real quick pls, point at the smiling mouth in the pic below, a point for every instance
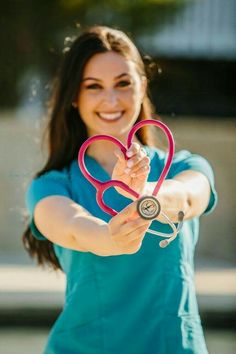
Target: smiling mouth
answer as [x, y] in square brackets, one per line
[110, 117]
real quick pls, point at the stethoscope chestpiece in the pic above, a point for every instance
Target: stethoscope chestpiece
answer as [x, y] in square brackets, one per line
[148, 207]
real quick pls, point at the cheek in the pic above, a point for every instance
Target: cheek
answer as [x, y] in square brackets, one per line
[133, 98]
[86, 102]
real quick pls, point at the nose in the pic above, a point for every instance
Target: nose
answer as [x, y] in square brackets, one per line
[111, 97]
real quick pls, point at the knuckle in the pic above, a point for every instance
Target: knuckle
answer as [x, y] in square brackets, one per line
[146, 159]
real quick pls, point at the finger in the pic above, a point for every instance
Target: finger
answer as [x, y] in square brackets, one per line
[145, 161]
[133, 247]
[144, 170]
[137, 236]
[130, 228]
[133, 161]
[133, 149]
[128, 213]
[132, 238]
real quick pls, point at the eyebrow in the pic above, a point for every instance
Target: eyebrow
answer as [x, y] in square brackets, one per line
[117, 77]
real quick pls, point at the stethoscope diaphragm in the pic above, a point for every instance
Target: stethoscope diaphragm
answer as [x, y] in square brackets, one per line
[148, 207]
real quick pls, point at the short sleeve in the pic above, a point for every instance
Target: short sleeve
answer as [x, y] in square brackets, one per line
[51, 183]
[184, 160]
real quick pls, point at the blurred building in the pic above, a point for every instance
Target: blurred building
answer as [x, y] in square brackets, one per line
[196, 53]
[203, 29]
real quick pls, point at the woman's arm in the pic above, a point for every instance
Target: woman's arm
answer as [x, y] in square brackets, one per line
[69, 225]
[188, 191]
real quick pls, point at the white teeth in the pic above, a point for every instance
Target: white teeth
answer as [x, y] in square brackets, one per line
[110, 116]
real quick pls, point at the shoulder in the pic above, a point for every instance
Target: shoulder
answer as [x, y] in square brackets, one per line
[50, 179]
[182, 160]
[157, 153]
[50, 183]
[53, 182]
[185, 160]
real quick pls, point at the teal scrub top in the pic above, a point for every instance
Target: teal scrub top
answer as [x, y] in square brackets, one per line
[143, 303]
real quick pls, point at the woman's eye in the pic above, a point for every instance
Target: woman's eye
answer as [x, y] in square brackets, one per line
[93, 86]
[124, 83]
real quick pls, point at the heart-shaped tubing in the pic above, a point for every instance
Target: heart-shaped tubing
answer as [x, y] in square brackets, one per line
[103, 186]
[99, 185]
[171, 146]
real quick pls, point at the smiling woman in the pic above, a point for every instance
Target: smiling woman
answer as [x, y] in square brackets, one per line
[124, 293]
[111, 91]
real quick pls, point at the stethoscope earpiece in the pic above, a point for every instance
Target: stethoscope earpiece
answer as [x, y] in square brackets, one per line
[175, 229]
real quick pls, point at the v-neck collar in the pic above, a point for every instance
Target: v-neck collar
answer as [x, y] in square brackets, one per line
[100, 170]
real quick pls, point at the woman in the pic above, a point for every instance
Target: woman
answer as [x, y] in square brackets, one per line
[124, 293]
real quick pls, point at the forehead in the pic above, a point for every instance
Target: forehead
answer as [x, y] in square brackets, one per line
[109, 64]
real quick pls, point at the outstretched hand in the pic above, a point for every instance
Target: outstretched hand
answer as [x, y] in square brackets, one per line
[126, 231]
[134, 171]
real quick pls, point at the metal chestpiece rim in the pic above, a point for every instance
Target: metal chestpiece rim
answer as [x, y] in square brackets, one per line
[148, 207]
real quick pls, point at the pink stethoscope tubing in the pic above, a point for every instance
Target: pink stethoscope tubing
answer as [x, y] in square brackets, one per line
[101, 187]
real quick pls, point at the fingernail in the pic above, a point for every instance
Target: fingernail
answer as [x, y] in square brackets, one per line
[133, 175]
[129, 153]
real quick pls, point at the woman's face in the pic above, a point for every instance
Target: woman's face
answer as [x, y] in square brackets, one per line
[110, 95]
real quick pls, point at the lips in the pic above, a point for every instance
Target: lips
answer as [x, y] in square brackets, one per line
[111, 116]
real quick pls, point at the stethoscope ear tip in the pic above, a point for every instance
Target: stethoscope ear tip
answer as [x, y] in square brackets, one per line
[163, 243]
[180, 216]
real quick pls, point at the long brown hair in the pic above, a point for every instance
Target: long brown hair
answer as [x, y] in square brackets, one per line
[65, 130]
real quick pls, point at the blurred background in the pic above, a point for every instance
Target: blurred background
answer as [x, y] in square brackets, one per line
[193, 43]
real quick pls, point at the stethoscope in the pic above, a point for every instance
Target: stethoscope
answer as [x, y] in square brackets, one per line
[148, 207]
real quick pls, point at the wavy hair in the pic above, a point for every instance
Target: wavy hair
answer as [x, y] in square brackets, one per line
[65, 129]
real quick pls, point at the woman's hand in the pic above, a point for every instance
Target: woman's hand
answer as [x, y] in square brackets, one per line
[134, 171]
[126, 231]
[173, 198]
